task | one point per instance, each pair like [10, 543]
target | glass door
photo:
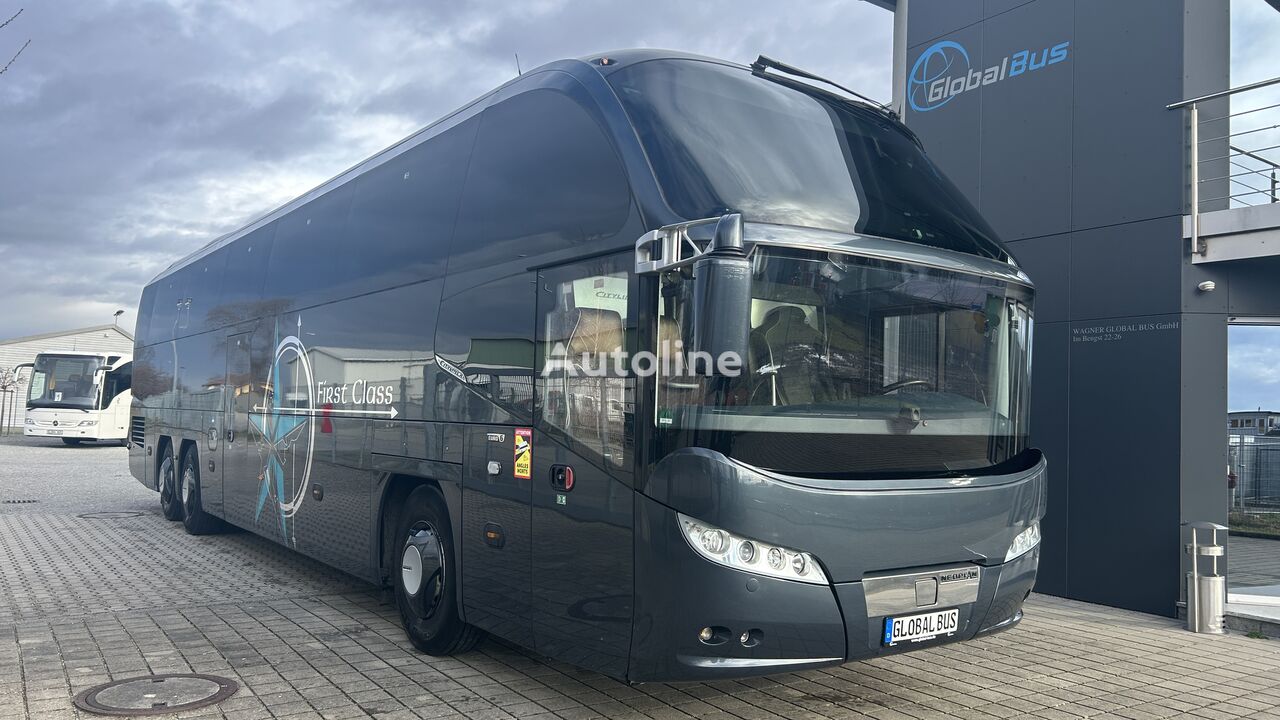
[1253, 461]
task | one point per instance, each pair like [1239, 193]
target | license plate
[917, 628]
[54, 432]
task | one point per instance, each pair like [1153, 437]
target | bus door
[240, 466]
[116, 402]
[580, 464]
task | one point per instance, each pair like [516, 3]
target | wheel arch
[162, 442]
[397, 490]
[185, 447]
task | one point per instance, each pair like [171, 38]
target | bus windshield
[721, 139]
[65, 381]
[856, 366]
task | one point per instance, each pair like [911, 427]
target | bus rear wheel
[169, 504]
[426, 577]
[194, 518]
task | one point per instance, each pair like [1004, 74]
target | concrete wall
[1082, 170]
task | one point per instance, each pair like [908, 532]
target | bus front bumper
[763, 625]
[60, 432]
[760, 625]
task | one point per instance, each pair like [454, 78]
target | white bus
[80, 396]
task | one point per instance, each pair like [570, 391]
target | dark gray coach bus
[467, 368]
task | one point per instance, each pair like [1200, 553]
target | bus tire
[425, 577]
[70, 441]
[194, 518]
[168, 482]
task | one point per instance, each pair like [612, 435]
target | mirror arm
[672, 246]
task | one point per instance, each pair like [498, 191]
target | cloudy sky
[132, 132]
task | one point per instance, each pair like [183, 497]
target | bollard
[1206, 593]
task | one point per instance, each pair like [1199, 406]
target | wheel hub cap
[166, 479]
[422, 568]
[411, 570]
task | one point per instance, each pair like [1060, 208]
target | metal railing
[1239, 160]
[1253, 463]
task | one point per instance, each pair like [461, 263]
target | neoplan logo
[943, 72]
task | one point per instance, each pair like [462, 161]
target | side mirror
[722, 297]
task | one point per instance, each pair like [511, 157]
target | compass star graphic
[287, 435]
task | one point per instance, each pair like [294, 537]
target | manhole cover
[156, 695]
[110, 515]
[17, 502]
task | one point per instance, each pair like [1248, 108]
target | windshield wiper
[763, 62]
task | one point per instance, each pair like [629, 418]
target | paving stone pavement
[86, 601]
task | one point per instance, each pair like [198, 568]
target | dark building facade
[1051, 115]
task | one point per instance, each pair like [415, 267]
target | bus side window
[240, 292]
[402, 214]
[544, 178]
[483, 337]
[37, 385]
[587, 391]
[146, 306]
[166, 299]
[117, 381]
[305, 264]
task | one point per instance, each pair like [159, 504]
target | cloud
[1255, 25]
[134, 132]
[1253, 368]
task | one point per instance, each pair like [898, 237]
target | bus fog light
[1024, 542]
[745, 554]
[714, 635]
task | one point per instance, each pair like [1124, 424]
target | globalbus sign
[943, 72]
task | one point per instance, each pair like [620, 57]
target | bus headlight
[88, 423]
[753, 556]
[28, 421]
[1024, 542]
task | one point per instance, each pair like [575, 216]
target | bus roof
[86, 353]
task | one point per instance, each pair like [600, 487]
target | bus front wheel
[426, 577]
[194, 518]
[70, 441]
[169, 504]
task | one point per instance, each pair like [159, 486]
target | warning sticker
[524, 453]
